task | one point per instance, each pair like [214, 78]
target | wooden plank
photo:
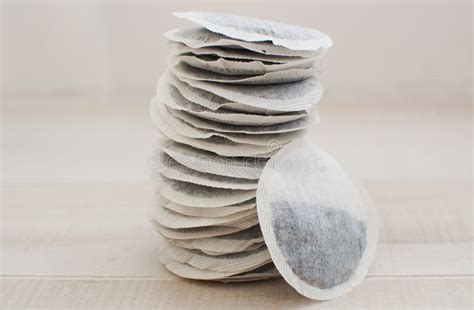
[79, 229]
[373, 293]
[142, 260]
[103, 230]
[89, 245]
[423, 210]
[423, 259]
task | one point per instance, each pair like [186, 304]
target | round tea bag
[241, 241]
[229, 66]
[318, 224]
[257, 30]
[186, 72]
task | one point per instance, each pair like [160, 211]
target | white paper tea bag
[186, 72]
[201, 232]
[285, 128]
[207, 162]
[187, 244]
[218, 145]
[241, 67]
[319, 227]
[194, 195]
[199, 37]
[173, 220]
[185, 129]
[258, 30]
[186, 271]
[250, 238]
[170, 95]
[264, 272]
[180, 49]
[170, 168]
[287, 97]
[211, 101]
[212, 211]
[234, 263]
[253, 247]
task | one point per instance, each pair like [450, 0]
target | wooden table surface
[75, 195]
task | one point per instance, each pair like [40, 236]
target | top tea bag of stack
[236, 90]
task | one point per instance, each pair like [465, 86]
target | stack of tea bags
[236, 90]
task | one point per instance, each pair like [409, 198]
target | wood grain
[373, 293]
[90, 246]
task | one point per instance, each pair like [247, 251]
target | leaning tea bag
[319, 227]
[258, 30]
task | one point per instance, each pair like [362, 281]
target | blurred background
[77, 78]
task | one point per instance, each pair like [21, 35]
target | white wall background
[117, 46]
